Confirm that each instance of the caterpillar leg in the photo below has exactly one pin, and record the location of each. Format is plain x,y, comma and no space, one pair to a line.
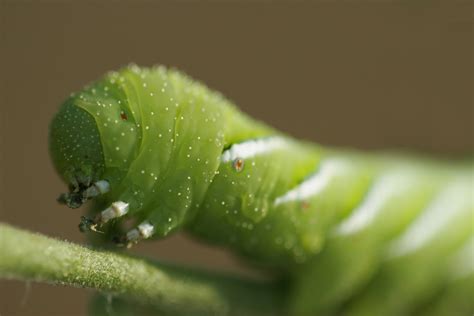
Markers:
98,188
115,210
143,231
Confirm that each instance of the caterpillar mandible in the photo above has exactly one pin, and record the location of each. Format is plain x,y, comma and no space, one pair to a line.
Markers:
159,152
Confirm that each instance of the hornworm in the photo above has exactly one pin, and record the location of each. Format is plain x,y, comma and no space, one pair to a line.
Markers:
355,233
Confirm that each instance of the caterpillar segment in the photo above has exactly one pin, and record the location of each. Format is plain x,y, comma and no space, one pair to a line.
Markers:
159,152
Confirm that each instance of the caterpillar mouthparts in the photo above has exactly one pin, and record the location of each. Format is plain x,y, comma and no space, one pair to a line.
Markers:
83,192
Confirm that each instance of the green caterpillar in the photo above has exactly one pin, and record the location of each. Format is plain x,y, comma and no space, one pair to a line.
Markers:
354,233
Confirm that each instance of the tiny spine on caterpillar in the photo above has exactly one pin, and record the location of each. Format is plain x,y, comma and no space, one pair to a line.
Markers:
159,152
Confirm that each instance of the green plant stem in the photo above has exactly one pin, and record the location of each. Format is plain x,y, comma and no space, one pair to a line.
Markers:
34,257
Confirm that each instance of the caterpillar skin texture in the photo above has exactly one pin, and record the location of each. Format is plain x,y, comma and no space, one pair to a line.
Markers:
355,233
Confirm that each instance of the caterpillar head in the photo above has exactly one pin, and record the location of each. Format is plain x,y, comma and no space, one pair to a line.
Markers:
84,141
76,152
93,138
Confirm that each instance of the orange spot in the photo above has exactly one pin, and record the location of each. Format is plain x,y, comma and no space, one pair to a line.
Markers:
238,164
123,116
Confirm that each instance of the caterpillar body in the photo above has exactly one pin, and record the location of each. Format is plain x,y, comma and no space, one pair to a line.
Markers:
356,233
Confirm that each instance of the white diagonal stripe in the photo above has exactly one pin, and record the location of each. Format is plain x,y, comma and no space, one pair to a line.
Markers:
252,148
316,183
452,201
385,189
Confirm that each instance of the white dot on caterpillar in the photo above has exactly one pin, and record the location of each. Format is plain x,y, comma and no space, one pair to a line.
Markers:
143,171
117,148
159,135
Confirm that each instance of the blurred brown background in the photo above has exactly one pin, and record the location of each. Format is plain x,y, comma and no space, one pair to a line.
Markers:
369,74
